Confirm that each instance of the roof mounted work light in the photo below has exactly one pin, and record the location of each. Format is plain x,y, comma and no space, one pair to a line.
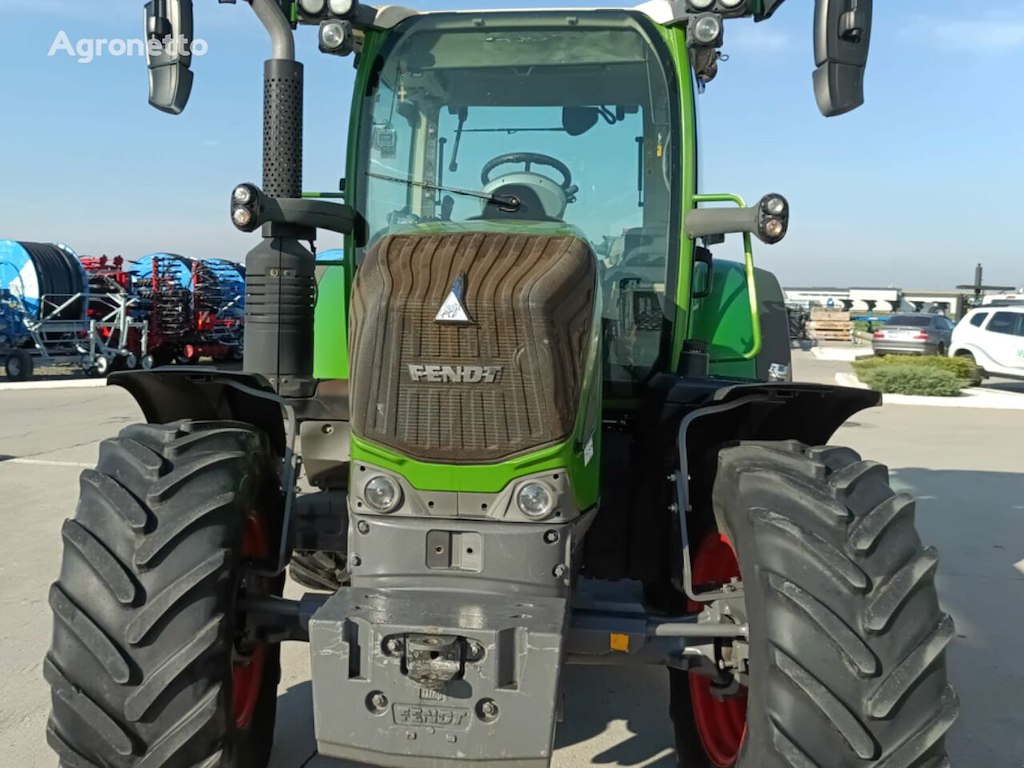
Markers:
337,37
342,8
313,7
705,30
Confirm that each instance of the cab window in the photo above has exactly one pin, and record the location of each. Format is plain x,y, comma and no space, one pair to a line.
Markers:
1009,323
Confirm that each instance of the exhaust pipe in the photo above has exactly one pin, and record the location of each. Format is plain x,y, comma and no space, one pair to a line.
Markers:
280,271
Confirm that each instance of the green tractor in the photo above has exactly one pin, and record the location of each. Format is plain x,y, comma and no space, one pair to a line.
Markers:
527,421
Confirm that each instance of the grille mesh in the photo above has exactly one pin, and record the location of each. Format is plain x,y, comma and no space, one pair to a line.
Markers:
531,300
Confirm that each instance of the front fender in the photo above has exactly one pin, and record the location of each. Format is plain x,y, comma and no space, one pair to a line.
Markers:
770,411
806,413
203,394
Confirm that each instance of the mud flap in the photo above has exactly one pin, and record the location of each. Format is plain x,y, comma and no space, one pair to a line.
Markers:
417,679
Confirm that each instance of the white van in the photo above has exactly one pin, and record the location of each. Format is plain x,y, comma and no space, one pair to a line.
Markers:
994,337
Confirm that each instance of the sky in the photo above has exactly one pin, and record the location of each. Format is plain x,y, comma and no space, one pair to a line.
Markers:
912,190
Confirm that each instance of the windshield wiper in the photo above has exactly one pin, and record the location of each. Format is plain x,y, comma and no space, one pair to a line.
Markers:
506,203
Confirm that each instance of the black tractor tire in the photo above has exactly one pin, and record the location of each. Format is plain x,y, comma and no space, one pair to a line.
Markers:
321,571
19,365
846,638
146,661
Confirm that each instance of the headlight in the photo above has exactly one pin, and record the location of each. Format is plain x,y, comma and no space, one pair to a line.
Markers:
242,195
772,218
774,228
242,217
536,501
706,29
382,494
245,207
775,205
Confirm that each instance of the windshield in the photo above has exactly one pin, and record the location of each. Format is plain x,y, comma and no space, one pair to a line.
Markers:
537,116
910,321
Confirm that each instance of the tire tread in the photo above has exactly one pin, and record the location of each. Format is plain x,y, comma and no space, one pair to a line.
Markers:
838,563
170,532
793,755
69,757
857,737
855,650
89,635
142,698
897,685
104,564
894,593
88,710
873,525
911,751
172,742
159,607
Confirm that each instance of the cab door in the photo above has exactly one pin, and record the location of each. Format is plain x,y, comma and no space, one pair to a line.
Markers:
1004,340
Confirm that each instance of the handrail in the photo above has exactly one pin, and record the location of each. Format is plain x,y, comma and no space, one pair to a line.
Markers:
748,252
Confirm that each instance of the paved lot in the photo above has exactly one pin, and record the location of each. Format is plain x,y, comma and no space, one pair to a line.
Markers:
962,463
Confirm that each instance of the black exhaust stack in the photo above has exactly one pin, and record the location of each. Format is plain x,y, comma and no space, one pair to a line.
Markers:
280,272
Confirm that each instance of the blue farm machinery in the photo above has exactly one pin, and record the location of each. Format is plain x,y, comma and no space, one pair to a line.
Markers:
102,314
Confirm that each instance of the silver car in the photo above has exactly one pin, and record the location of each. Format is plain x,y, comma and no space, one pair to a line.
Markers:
913,335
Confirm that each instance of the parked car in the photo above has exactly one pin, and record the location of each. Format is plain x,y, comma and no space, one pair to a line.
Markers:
993,337
909,334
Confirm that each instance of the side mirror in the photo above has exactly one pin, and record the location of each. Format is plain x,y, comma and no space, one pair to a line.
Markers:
702,280
842,35
169,55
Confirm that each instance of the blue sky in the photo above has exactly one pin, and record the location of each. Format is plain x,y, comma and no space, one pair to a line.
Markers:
911,190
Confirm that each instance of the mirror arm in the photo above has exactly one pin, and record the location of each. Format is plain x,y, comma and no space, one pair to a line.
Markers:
706,222
315,214
768,221
252,208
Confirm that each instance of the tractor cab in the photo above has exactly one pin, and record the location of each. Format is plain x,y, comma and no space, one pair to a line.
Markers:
525,121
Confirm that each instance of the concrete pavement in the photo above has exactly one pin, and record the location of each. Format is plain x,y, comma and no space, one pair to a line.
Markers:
963,464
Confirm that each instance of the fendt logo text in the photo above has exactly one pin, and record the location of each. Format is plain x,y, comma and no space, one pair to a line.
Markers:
455,374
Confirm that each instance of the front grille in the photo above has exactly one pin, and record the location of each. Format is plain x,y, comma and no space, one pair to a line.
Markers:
506,383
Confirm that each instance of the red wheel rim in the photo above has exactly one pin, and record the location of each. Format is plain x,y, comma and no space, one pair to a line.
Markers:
721,723
247,674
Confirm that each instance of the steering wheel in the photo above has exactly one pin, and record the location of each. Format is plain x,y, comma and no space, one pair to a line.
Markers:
529,159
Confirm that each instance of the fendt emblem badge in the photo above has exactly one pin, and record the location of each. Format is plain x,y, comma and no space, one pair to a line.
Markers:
454,308
455,374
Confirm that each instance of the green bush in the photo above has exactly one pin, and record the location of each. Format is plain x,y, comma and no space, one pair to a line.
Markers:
961,367
912,380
